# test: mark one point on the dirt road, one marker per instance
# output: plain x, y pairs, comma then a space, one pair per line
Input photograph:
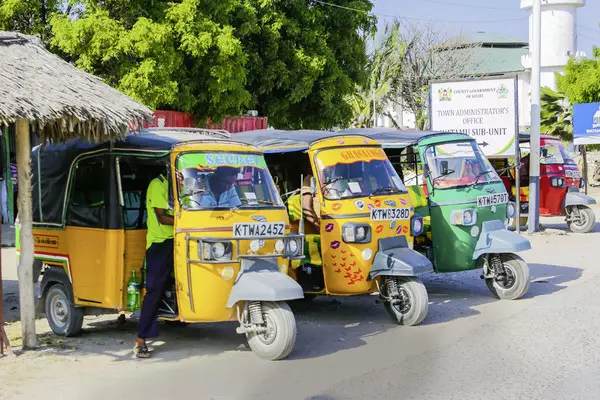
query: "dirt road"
471, 346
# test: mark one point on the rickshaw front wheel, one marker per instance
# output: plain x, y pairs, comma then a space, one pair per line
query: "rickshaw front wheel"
515, 281
63, 317
406, 299
581, 219
279, 337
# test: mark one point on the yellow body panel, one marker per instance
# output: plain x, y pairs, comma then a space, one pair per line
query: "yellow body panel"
346, 266
99, 261
93, 259
203, 289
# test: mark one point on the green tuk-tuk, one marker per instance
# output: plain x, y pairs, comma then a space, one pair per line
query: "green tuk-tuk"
464, 206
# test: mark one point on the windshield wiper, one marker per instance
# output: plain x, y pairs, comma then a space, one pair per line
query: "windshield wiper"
448, 172
247, 203
479, 176
384, 189
193, 192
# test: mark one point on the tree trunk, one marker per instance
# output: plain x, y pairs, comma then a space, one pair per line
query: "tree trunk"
25, 267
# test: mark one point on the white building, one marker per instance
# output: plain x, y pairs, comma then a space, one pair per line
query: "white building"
500, 55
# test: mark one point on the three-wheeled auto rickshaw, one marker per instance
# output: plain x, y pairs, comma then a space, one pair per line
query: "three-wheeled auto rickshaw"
464, 205
89, 209
362, 243
560, 183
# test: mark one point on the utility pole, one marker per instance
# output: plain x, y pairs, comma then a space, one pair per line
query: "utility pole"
534, 162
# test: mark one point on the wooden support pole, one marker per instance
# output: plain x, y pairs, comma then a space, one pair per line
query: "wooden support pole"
25, 267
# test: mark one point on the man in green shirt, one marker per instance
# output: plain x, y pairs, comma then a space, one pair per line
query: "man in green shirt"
159, 260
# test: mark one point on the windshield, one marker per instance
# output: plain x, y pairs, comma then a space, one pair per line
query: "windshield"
356, 173
556, 153
224, 180
458, 164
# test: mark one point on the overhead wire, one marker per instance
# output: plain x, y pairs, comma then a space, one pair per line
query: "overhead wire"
469, 5
416, 18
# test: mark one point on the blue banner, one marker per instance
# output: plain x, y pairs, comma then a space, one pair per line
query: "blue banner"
586, 123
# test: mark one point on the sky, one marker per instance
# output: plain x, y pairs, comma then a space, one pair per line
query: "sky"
498, 16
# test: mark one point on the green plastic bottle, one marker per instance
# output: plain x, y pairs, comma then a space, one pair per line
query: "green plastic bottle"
133, 293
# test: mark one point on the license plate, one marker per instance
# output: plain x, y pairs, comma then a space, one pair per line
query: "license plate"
492, 199
572, 174
258, 229
389, 214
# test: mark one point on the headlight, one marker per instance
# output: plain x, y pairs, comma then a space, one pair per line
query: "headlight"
361, 233
293, 246
416, 225
511, 210
356, 233
466, 217
216, 251
557, 182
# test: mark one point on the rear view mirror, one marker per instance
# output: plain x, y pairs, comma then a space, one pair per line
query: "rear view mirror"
444, 167
313, 185
544, 152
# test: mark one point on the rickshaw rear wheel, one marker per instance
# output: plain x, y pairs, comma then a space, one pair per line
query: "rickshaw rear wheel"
63, 317
279, 339
411, 305
516, 281
585, 219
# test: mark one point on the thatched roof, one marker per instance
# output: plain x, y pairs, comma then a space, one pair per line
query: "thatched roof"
63, 101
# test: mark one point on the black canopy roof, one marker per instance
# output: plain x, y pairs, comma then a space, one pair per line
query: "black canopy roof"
52, 164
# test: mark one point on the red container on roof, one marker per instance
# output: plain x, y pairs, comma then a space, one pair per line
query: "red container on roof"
177, 119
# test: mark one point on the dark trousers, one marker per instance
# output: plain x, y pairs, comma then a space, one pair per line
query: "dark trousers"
159, 262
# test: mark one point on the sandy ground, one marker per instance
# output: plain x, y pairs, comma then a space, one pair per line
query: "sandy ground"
471, 346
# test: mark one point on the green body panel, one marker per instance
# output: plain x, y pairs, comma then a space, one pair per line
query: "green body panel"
454, 245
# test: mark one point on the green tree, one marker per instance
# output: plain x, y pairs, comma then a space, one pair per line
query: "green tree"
294, 61
556, 114
409, 57
581, 80
33, 16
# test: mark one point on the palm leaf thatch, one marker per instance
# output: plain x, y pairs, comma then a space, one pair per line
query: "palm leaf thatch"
63, 101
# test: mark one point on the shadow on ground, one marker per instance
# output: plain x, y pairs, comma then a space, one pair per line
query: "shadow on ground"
10, 305
325, 325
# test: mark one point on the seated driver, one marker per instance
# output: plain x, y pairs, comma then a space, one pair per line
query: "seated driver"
220, 191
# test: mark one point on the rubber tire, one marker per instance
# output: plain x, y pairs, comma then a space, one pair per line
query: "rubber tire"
75, 314
523, 279
285, 339
419, 302
589, 223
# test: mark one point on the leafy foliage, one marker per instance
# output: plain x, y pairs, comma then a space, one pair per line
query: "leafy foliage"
556, 114
294, 61
409, 57
581, 81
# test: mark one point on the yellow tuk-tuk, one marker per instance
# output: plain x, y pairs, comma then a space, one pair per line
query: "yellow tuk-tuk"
230, 263
363, 241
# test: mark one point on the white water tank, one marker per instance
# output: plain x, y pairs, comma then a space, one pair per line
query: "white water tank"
559, 29
559, 36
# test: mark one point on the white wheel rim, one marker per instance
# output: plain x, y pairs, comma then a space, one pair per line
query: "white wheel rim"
59, 310
269, 336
